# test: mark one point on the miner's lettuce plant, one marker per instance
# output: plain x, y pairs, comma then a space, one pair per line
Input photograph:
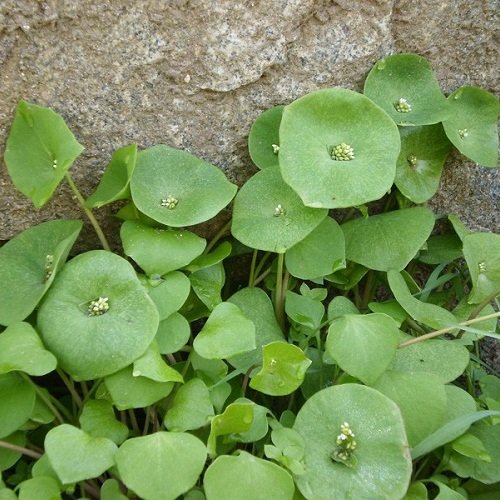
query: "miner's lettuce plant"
318, 346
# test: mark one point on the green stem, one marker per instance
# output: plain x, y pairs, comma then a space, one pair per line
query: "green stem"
483, 304
133, 421
251, 278
318, 342
261, 264
218, 235
368, 291
278, 299
71, 388
437, 333
20, 449
88, 213
411, 322
262, 276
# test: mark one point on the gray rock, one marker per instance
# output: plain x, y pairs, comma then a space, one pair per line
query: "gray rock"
194, 74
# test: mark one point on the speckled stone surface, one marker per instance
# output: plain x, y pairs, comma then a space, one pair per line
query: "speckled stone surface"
194, 74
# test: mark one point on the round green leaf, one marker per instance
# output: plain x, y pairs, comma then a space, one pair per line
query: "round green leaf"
29, 263
21, 349
421, 160
114, 184
320, 253
9, 457
363, 345
256, 306
472, 124
382, 466
75, 455
39, 488
191, 408
169, 293
404, 86
227, 332
110, 490
173, 333
159, 251
389, 240
178, 189
268, 214
283, 369
91, 346
7, 494
264, 139
17, 397
314, 125
98, 420
40, 149
161, 466
249, 477
420, 396
482, 253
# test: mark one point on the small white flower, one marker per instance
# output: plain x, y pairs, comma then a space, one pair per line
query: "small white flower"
169, 202
402, 105
276, 148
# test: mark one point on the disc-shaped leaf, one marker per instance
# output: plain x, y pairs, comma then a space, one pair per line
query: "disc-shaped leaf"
21, 349
269, 215
159, 251
482, 253
173, 333
363, 345
389, 240
39, 151
367, 142
283, 369
114, 184
39, 488
320, 253
178, 189
98, 419
76, 455
169, 292
405, 87
472, 124
256, 306
421, 160
191, 408
420, 396
152, 365
97, 318
227, 332
383, 464
17, 396
29, 263
161, 466
428, 314
127, 391
252, 478
264, 139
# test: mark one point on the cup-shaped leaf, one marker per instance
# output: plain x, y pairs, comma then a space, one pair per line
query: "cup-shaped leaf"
269, 215
29, 264
227, 332
320, 253
76, 455
259, 427
98, 420
252, 478
162, 465
337, 149
97, 318
114, 184
482, 253
21, 349
420, 163
389, 240
178, 189
363, 345
159, 251
472, 125
264, 139
283, 369
381, 461
40, 149
405, 87
256, 306
18, 399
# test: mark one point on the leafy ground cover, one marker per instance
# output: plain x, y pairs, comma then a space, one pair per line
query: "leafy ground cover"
316, 347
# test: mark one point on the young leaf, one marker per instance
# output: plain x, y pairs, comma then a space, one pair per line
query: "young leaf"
207, 284
178, 189
40, 149
173, 333
97, 318
383, 465
98, 420
472, 124
337, 149
389, 240
405, 87
29, 264
304, 310
151, 365
259, 426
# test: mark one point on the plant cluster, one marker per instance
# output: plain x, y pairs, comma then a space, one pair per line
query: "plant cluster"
345, 365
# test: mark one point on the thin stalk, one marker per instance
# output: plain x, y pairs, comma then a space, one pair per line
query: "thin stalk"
318, 342
437, 333
20, 449
88, 213
483, 304
133, 421
146, 421
251, 278
262, 263
92, 390
411, 322
278, 299
218, 235
262, 277
71, 388
369, 288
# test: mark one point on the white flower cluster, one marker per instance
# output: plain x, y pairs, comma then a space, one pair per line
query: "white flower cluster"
98, 307
279, 210
342, 152
402, 106
170, 202
345, 444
